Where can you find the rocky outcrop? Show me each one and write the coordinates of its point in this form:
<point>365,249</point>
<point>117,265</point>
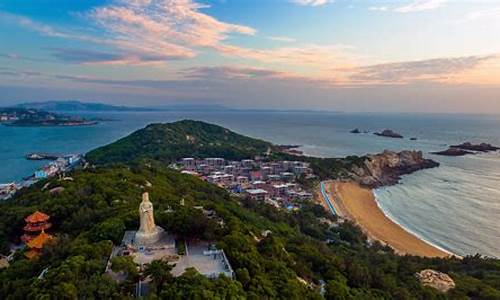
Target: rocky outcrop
<point>434,279</point>
<point>355,130</point>
<point>453,152</point>
<point>389,133</point>
<point>386,168</point>
<point>467,148</point>
<point>483,147</point>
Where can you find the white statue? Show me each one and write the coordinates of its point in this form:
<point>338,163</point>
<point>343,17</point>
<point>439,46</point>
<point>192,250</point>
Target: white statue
<point>148,232</point>
<point>147,217</point>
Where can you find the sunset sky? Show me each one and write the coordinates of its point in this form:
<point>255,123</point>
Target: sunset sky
<point>344,55</point>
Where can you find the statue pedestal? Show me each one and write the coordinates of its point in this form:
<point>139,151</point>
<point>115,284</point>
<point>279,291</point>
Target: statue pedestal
<point>142,238</point>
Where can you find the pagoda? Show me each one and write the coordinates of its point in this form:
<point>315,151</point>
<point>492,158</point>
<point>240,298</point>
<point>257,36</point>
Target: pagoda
<point>36,244</point>
<point>36,223</point>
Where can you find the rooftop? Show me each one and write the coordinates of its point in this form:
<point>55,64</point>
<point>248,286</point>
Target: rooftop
<point>256,191</point>
<point>37,217</point>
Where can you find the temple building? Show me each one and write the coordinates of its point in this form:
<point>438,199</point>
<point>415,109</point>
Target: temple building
<point>151,242</point>
<point>35,224</point>
<point>36,244</point>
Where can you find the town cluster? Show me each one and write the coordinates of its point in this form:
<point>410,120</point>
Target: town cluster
<point>58,166</point>
<point>274,182</point>
<point>8,117</point>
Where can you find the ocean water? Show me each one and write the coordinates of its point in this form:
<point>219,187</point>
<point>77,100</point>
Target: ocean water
<point>455,206</point>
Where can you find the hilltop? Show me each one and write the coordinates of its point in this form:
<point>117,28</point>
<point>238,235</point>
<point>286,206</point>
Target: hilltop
<point>172,141</point>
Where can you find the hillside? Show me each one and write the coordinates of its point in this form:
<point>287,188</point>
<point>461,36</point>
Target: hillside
<point>172,141</point>
<point>95,209</point>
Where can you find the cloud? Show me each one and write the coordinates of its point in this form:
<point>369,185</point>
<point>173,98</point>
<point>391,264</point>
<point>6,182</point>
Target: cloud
<point>163,28</point>
<point>310,2</point>
<point>379,8</point>
<point>18,73</point>
<point>15,56</point>
<point>306,55</point>
<point>179,29</point>
<point>439,69</point>
<point>92,57</point>
<point>225,72</point>
<point>483,14</point>
<point>282,39</point>
<point>154,32</point>
<point>420,5</point>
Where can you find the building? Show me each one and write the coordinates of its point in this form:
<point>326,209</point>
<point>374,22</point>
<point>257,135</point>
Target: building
<point>7,190</point>
<point>189,163</point>
<point>257,194</point>
<point>35,224</point>
<point>36,244</point>
<point>41,174</point>
<point>216,162</point>
<point>247,163</point>
<point>280,190</point>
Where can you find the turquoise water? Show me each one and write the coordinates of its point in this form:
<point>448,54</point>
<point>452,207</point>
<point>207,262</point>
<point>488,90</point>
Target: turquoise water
<point>455,206</point>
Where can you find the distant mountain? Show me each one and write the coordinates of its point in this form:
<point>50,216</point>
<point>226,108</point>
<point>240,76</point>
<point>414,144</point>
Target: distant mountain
<point>74,105</point>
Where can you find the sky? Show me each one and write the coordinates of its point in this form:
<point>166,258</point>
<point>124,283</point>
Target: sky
<point>342,55</point>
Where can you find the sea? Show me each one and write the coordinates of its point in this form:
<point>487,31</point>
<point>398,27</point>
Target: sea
<point>455,206</point>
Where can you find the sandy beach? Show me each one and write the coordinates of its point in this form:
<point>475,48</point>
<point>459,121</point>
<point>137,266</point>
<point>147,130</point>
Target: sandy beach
<point>357,203</point>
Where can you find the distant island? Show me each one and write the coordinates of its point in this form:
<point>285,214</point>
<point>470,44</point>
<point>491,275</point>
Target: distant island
<point>467,148</point>
<point>74,105</point>
<point>389,133</point>
<point>13,116</point>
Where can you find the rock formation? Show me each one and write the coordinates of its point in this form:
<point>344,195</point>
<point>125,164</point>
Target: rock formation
<point>438,280</point>
<point>356,130</point>
<point>389,133</point>
<point>483,147</point>
<point>467,148</point>
<point>386,168</point>
<point>453,152</point>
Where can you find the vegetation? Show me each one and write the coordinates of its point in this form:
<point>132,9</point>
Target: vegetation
<point>275,254</point>
<point>170,142</point>
<point>94,211</point>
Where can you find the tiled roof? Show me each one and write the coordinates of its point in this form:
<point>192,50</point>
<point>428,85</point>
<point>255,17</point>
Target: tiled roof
<point>39,241</point>
<point>37,217</point>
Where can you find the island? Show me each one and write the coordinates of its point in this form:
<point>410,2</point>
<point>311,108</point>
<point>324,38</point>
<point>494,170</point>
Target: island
<point>389,133</point>
<point>153,215</point>
<point>22,117</point>
<point>467,148</point>
<point>80,106</point>
<point>355,130</point>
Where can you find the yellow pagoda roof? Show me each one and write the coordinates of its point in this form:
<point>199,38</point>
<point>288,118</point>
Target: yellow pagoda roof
<point>31,254</point>
<point>39,241</point>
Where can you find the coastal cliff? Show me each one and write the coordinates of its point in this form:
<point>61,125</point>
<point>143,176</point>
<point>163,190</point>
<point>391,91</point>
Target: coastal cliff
<point>387,167</point>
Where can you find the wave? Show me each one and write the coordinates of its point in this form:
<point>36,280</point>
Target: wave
<point>409,230</point>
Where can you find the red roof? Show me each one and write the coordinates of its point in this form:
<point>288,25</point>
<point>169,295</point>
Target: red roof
<point>37,227</point>
<point>37,217</point>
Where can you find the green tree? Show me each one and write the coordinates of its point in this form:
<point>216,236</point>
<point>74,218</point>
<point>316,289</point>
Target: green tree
<point>159,272</point>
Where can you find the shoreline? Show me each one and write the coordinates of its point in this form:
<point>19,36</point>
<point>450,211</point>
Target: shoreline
<point>410,231</point>
<point>359,204</point>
